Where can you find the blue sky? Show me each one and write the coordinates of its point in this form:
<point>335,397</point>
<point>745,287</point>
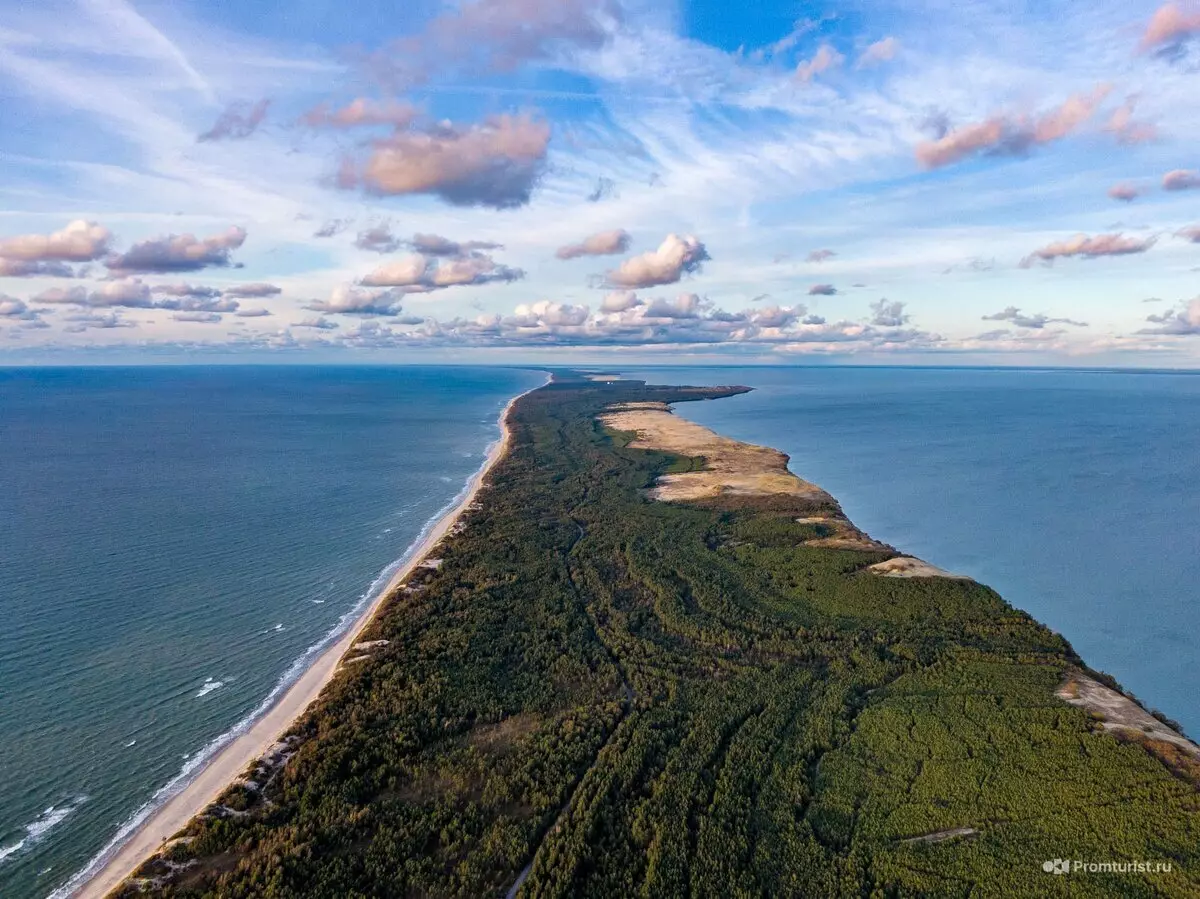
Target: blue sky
<point>931,182</point>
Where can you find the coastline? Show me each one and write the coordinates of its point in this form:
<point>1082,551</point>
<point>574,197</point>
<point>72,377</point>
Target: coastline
<point>908,699</point>
<point>226,765</point>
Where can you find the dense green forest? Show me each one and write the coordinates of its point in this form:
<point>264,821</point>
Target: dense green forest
<point>599,695</point>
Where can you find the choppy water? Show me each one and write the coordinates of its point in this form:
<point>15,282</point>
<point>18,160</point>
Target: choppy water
<point>1074,494</point>
<point>174,544</point>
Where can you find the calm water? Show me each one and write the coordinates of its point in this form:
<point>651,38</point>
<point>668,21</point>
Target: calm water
<point>173,541</point>
<point>1076,495</point>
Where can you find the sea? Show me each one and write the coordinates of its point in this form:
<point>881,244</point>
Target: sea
<point>176,543</point>
<point>1074,494</point>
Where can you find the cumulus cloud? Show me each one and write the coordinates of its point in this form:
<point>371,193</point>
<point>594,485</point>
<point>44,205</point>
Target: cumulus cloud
<point>1192,233</point>
<point>549,314</point>
<point>238,121</point>
<point>318,324</point>
<point>819,255</point>
<point>178,253</point>
<point>1182,321</point>
<point>1010,135</point>
<point>686,320</point>
<point>887,314</point>
<point>28,255</point>
<point>1170,26</point>
<point>436,245</point>
<point>823,60</point>
<point>820,337</point>
<point>776,317</point>
<point>603,243</point>
<point>358,301</point>
<point>495,164</point>
<point>377,239</point>
<point>198,316</point>
<point>495,36</point>
<point>686,305</point>
<point>361,112</point>
<point>186,290</point>
<point>1181,179</point>
<point>1022,320</point>
<point>12,309</point>
<point>675,257</point>
<point>131,292</point>
<point>254,290</point>
<point>416,274</point>
<point>822,290</point>
<point>1089,248</point>
<point>408,272</point>
<point>198,304</point>
<point>1126,193</point>
<point>880,51</point>
<point>258,312</point>
<point>620,301</point>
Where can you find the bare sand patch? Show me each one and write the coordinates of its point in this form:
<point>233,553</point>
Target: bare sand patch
<point>1120,714</point>
<point>908,566</point>
<point>850,539</point>
<point>729,465</point>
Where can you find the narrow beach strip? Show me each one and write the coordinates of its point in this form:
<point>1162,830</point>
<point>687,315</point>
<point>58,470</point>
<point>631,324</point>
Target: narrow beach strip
<point>120,861</point>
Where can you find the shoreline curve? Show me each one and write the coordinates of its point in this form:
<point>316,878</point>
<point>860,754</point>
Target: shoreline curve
<point>228,763</point>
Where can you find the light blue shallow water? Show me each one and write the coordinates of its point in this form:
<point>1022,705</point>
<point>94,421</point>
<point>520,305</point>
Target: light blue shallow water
<point>1076,495</point>
<point>172,542</point>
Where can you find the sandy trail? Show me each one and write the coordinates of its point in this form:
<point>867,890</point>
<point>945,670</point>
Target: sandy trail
<point>228,764</point>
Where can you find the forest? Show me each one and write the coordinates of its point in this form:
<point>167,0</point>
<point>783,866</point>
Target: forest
<point>600,695</point>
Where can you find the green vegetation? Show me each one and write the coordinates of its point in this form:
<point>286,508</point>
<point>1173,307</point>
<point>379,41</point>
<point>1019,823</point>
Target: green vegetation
<point>637,698</point>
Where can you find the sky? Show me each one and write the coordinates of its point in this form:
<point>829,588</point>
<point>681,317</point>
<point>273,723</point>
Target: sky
<point>917,182</point>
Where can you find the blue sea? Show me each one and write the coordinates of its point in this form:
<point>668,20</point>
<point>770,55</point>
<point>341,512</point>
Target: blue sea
<point>1074,494</point>
<point>175,544</point>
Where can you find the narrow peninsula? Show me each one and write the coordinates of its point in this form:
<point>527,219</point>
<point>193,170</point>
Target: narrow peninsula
<point>650,661</point>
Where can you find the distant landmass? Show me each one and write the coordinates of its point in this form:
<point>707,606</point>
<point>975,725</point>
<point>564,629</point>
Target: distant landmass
<point>645,659</point>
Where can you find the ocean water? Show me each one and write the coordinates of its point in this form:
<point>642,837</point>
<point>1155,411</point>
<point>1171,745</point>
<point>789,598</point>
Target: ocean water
<point>1076,495</point>
<point>174,543</point>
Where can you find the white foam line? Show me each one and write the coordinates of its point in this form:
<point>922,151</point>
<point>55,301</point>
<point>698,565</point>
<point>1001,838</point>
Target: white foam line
<point>378,588</point>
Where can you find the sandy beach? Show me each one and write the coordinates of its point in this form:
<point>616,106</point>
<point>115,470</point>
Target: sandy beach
<point>233,759</point>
